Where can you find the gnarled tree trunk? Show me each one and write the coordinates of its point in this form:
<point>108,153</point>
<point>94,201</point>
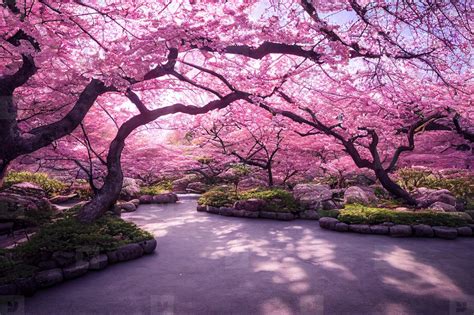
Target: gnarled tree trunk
<point>393,187</point>
<point>3,171</point>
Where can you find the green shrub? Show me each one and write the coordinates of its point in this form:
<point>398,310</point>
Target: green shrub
<point>11,269</point>
<point>334,213</point>
<point>68,234</point>
<point>461,186</point>
<point>163,186</point>
<point>220,196</point>
<point>50,185</point>
<point>276,199</point>
<point>359,214</point>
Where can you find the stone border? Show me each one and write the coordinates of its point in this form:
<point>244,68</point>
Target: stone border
<point>247,213</point>
<point>64,266</point>
<point>398,230</point>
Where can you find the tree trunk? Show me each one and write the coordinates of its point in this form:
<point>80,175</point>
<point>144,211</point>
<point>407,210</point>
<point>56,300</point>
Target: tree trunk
<point>393,187</point>
<point>109,193</point>
<point>270,176</point>
<point>3,171</point>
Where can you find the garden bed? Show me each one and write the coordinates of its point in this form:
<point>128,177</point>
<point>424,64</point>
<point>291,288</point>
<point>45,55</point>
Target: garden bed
<point>380,221</point>
<point>256,203</point>
<point>67,249</point>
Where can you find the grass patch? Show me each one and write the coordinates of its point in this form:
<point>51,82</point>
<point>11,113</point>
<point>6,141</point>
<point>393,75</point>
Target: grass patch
<point>358,214</point>
<point>50,185</point>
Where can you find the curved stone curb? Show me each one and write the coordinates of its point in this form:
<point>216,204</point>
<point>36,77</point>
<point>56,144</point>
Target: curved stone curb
<point>76,268</point>
<point>398,230</point>
<point>255,213</point>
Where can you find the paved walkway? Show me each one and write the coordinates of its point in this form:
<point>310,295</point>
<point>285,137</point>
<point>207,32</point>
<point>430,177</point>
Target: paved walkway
<point>209,264</point>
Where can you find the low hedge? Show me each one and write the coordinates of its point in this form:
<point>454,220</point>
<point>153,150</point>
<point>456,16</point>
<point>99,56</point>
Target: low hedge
<point>359,214</point>
<point>221,196</point>
<point>278,200</point>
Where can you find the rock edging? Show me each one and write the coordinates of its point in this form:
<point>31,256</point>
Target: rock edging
<point>65,266</point>
<point>398,230</point>
<point>254,212</point>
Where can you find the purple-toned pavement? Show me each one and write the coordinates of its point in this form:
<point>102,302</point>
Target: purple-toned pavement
<point>210,264</point>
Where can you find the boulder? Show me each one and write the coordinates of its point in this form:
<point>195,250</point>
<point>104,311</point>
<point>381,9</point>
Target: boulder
<point>127,207</point>
<point>445,232</point>
<point>268,215</point>
<point>312,195</point>
<point>442,207</point>
<point>250,204</point>
<point>285,216</point>
<point>129,252</point>
<point>63,258</point>
<point>464,231</point>
<point>15,206</point>
<point>341,227</point>
<point>75,270</point>
<point>112,257</point>
<point>250,214</point>
<point>130,189</point>
<point>148,246</point>
<point>400,230</point>
<point>238,213</point>
<point>360,195</point>
<point>379,229</point>
<point>360,228</point>
<point>49,277</point>
<point>423,230</point>
<point>47,264</point>
<point>212,209</point>
<point>225,211</point>
<point>201,208</point>
<point>161,198</point>
<point>196,187</point>
<point>27,189</point>
<point>136,202</point>
<point>64,199</point>
<point>328,223</point>
<point>181,184</point>
<point>330,205</point>
<point>425,197</point>
<point>98,262</point>
<point>309,215</point>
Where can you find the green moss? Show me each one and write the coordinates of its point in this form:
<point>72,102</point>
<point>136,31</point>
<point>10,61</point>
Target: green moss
<point>278,200</point>
<point>220,196</point>
<point>163,186</point>
<point>461,186</point>
<point>334,213</point>
<point>358,214</point>
<point>50,185</point>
